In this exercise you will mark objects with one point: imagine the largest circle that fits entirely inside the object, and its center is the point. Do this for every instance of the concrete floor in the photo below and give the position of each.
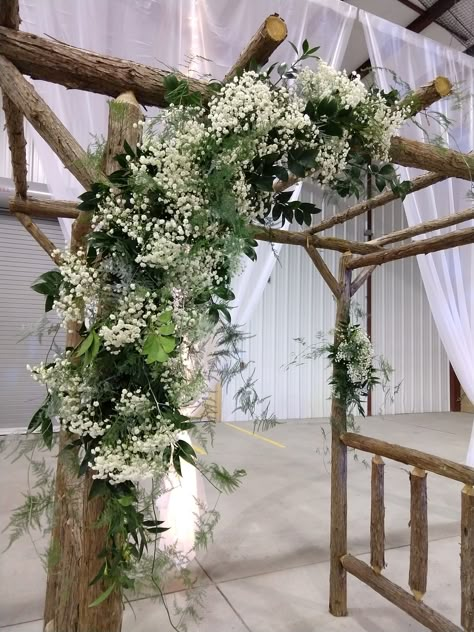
(267, 569)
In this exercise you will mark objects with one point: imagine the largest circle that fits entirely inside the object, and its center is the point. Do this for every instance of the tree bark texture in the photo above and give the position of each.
(467, 558)
(377, 516)
(409, 456)
(338, 537)
(418, 575)
(399, 597)
(262, 45)
(76, 536)
(421, 247)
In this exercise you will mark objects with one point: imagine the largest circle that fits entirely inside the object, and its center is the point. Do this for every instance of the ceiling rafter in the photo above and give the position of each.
(419, 24)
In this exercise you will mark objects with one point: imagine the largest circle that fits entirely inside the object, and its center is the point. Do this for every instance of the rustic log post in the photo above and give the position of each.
(262, 45)
(377, 516)
(338, 538)
(75, 536)
(361, 278)
(399, 597)
(419, 534)
(467, 558)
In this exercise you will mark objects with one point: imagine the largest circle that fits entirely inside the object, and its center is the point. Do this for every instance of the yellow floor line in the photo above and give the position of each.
(199, 450)
(256, 436)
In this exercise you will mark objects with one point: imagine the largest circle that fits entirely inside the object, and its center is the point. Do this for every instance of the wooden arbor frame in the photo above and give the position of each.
(68, 590)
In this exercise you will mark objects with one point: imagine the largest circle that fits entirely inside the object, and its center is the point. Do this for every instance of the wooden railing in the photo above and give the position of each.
(371, 575)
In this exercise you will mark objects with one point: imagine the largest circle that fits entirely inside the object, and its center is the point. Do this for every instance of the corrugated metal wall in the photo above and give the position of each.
(403, 330)
(297, 304)
(21, 309)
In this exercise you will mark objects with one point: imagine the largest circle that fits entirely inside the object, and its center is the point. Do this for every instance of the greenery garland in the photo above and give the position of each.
(170, 228)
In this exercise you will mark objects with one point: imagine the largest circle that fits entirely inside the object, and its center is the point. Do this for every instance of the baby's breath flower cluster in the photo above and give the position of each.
(353, 359)
(169, 230)
(152, 279)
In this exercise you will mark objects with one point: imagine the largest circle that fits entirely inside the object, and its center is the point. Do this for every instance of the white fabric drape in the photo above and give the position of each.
(447, 275)
(200, 37)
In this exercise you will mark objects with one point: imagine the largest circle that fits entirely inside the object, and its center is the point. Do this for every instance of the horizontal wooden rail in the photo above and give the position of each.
(399, 597)
(423, 460)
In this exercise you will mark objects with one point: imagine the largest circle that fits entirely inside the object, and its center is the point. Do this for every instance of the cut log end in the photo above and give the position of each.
(276, 28)
(418, 595)
(443, 86)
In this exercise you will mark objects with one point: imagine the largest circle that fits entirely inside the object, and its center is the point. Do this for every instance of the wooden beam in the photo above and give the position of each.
(423, 460)
(424, 227)
(377, 516)
(303, 239)
(467, 558)
(423, 97)
(50, 209)
(260, 48)
(76, 68)
(338, 529)
(418, 574)
(10, 17)
(421, 182)
(124, 113)
(361, 278)
(324, 271)
(399, 597)
(412, 153)
(46, 123)
(421, 247)
(38, 235)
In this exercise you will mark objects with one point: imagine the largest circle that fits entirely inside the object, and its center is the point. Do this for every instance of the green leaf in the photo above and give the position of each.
(153, 349)
(305, 46)
(48, 306)
(293, 47)
(299, 217)
(296, 168)
(387, 170)
(126, 501)
(36, 420)
(168, 343)
(103, 596)
(281, 173)
(47, 430)
(85, 344)
(48, 283)
(380, 183)
(100, 574)
(327, 107)
(165, 317)
(166, 329)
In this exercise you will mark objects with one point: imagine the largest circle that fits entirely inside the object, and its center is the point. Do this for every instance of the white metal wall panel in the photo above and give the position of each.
(297, 303)
(21, 262)
(403, 330)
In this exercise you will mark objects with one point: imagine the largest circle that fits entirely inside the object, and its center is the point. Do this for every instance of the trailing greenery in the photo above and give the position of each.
(153, 279)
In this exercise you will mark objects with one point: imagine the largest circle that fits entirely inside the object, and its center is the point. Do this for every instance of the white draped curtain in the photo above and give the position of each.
(447, 275)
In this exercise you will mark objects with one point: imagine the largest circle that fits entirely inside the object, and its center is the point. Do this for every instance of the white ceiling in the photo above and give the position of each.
(398, 13)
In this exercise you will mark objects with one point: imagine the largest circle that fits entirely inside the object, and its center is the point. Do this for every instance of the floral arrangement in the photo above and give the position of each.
(153, 280)
(354, 372)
